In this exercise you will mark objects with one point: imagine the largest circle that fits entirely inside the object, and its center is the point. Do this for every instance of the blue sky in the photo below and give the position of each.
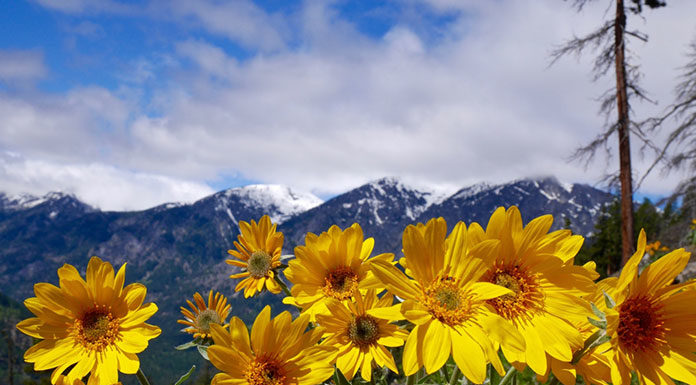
(129, 104)
(96, 47)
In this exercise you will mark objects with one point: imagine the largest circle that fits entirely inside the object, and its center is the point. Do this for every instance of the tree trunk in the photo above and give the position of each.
(627, 241)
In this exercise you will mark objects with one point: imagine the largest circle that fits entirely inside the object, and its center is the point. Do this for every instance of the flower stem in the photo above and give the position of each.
(445, 374)
(282, 285)
(141, 377)
(455, 375)
(589, 344)
(411, 380)
(508, 376)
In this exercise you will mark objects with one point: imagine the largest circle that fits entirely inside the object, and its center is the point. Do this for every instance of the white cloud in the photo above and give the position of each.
(99, 185)
(239, 20)
(478, 103)
(21, 66)
(81, 6)
(82, 125)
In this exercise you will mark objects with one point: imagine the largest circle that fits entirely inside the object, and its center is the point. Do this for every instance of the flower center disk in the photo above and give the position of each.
(363, 331)
(447, 302)
(340, 283)
(641, 327)
(265, 371)
(96, 329)
(526, 298)
(205, 318)
(259, 264)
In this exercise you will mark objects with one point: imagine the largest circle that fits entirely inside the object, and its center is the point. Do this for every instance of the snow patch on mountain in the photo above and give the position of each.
(281, 201)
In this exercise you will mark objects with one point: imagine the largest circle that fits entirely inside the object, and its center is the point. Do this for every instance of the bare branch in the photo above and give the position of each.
(683, 112)
(577, 45)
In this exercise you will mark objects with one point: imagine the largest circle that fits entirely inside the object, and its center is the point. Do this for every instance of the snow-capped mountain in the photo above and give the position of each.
(27, 201)
(177, 249)
(576, 203)
(279, 202)
(382, 208)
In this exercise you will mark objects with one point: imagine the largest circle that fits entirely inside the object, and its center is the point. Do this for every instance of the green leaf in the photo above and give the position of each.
(600, 324)
(185, 376)
(608, 300)
(599, 341)
(339, 378)
(185, 346)
(203, 350)
(600, 314)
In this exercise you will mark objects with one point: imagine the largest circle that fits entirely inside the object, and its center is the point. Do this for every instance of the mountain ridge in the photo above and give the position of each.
(178, 249)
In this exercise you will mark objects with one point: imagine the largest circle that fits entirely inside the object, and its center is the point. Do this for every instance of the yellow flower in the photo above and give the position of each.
(593, 366)
(654, 247)
(652, 325)
(360, 331)
(547, 288)
(201, 316)
(63, 380)
(693, 224)
(280, 352)
(446, 303)
(258, 251)
(330, 266)
(98, 325)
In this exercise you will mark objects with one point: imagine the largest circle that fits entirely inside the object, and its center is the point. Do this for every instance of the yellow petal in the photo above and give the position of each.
(127, 362)
(535, 354)
(413, 350)
(48, 354)
(437, 345)
(139, 316)
(663, 271)
(469, 356)
(260, 330)
(502, 332)
(395, 281)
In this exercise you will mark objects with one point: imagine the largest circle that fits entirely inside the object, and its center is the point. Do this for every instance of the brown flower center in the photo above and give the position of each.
(259, 264)
(97, 328)
(641, 326)
(340, 283)
(265, 371)
(205, 318)
(526, 297)
(447, 302)
(363, 331)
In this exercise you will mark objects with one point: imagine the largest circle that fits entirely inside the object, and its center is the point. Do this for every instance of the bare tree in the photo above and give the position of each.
(610, 41)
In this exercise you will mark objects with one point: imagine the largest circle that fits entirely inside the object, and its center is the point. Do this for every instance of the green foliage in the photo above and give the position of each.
(13, 343)
(604, 245)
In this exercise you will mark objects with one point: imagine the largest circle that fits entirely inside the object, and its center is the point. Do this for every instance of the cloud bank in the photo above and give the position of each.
(322, 106)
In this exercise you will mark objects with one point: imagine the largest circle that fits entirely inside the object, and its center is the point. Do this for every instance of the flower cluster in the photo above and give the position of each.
(507, 298)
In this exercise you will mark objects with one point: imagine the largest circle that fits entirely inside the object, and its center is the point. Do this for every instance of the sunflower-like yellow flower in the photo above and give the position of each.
(332, 265)
(97, 324)
(360, 331)
(63, 380)
(547, 288)
(281, 352)
(201, 316)
(258, 252)
(593, 366)
(447, 303)
(652, 325)
(655, 247)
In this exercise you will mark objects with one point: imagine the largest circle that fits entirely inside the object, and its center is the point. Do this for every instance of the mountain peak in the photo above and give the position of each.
(26, 201)
(281, 201)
